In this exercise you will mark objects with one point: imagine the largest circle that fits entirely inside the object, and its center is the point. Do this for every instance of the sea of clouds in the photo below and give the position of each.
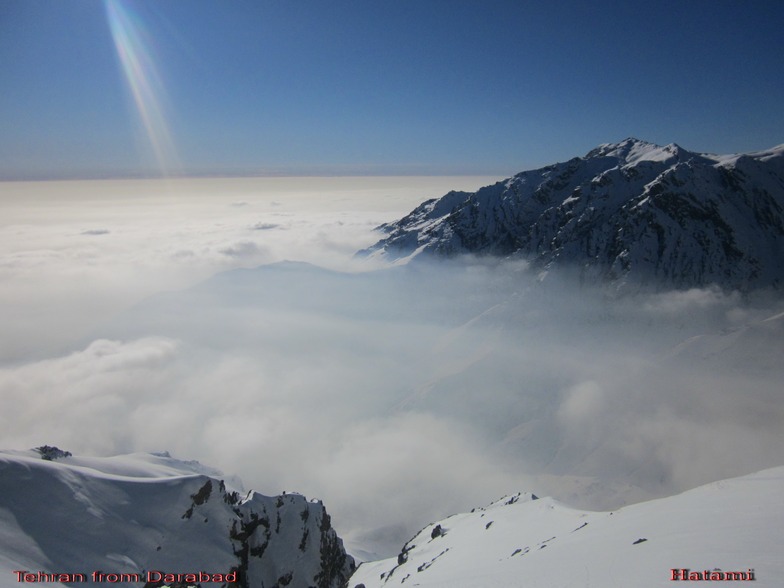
(228, 320)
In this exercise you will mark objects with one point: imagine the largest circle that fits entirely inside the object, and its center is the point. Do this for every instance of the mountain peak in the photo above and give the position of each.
(160, 513)
(620, 148)
(631, 151)
(562, 546)
(629, 211)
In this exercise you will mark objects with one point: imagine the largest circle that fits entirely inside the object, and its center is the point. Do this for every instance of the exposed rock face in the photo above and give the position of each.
(131, 516)
(50, 453)
(287, 542)
(629, 212)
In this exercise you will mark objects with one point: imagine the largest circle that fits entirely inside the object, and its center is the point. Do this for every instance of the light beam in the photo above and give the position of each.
(134, 50)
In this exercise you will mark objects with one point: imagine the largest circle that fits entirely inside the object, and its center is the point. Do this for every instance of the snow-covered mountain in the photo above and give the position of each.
(137, 518)
(727, 530)
(151, 520)
(629, 212)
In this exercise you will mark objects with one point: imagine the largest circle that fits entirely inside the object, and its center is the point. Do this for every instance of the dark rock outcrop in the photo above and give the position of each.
(630, 212)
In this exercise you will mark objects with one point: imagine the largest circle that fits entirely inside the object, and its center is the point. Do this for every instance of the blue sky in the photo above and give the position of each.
(246, 87)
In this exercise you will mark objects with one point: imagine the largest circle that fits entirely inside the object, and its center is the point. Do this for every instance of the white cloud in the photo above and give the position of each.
(432, 388)
(83, 399)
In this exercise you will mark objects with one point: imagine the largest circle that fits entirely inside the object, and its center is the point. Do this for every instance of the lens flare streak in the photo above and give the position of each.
(134, 52)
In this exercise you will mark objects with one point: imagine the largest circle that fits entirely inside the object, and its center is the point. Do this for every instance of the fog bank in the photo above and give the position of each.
(398, 395)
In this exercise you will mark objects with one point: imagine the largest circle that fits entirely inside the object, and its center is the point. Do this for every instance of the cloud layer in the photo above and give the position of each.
(398, 396)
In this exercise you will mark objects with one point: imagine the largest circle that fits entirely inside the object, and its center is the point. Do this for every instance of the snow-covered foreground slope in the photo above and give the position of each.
(728, 526)
(142, 514)
(630, 212)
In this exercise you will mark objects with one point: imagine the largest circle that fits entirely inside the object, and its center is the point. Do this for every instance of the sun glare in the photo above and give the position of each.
(134, 51)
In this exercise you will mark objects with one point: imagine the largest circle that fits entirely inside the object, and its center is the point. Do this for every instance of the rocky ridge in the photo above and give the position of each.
(629, 213)
(132, 515)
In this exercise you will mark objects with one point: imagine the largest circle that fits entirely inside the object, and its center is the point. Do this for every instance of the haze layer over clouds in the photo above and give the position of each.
(74, 253)
(398, 395)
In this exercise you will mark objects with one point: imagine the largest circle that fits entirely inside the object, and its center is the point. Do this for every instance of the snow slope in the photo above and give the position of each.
(137, 513)
(520, 541)
(628, 212)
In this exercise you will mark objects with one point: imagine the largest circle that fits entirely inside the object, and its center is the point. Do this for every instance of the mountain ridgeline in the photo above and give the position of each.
(152, 520)
(520, 541)
(630, 213)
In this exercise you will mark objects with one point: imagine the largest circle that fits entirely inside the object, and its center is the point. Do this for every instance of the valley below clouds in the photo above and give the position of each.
(229, 321)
